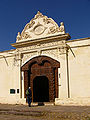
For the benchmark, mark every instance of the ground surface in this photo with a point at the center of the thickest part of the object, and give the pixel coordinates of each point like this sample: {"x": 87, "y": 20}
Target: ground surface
{"x": 23, "y": 112}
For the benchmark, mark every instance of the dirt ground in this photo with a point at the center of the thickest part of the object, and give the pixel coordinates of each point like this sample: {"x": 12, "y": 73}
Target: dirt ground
{"x": 50, "y": 112}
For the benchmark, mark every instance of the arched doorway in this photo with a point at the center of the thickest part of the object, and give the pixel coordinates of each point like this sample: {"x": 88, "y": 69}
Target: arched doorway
{"x": 41, "y": 67}
{"x": 40, "y": 89}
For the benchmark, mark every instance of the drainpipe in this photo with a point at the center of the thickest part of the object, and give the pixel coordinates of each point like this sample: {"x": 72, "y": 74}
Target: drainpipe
{"x": 68, "y": 84}
{"x": 5, "y": 59}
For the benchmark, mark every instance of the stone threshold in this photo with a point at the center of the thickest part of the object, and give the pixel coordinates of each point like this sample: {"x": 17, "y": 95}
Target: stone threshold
{"x": 42, "y": 103}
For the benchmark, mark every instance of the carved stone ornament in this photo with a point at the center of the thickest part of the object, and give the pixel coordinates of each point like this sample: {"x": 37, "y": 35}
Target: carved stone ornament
{"x": 40, "y": 26}
{"x": 18, "y": 36}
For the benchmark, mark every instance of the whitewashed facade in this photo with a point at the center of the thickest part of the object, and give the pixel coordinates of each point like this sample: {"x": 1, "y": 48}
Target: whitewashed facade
{"x": 43, "y": 37}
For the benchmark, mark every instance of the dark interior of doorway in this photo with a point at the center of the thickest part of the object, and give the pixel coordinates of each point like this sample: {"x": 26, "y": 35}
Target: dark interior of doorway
{"x": 41, "y": 89}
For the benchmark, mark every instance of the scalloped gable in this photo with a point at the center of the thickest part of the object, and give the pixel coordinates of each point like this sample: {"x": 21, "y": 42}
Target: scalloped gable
{"x": 40, "y": 26}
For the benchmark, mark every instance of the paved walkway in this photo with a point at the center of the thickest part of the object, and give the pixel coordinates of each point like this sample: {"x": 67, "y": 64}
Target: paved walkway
{"x": 23, "y": 112}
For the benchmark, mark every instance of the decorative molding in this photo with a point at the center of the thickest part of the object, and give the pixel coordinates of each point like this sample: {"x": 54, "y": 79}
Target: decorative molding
{"x": 43, "y": 46}
{"x": 40, "y": 26}
{"x": 28, "y": 56}
{"x": 39, "y": 52}
{"x": 53, "y": 49}
{"x": 16, "y": 58}
{"x": 53, "y": 53}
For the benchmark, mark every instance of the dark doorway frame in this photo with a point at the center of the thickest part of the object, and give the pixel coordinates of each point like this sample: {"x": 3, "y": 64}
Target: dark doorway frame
{"x": 40, "y": 89}
{"x": 42, "y": 66}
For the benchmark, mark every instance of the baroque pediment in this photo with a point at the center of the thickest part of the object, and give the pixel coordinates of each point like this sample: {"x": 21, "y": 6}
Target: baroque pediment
{"x": 40, "y": 26}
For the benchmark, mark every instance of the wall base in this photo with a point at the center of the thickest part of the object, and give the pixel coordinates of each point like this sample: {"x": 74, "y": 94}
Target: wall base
{"x": 58, "y": 101}
{"x": 13, "y": 100}
{"x": 73, "y": 101}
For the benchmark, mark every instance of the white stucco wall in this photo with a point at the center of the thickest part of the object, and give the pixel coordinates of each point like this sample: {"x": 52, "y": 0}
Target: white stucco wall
{"x": 79, "y": 69}
{"x": 79, "y": 73}
{"x": 9, "y": 78}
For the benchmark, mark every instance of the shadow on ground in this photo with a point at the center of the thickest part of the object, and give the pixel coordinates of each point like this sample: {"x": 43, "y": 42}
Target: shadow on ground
{"x": 41, "y": 112}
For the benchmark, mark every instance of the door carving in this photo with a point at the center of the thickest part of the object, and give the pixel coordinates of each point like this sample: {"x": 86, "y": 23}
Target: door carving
{"x": 42, "y": 66}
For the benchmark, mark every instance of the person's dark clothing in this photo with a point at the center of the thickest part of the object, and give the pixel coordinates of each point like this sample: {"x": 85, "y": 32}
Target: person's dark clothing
{"x": 29, "y": 96}
{"x": 29, "y": 100}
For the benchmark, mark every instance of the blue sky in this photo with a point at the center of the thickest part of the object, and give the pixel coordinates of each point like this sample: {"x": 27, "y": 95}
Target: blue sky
{"x": 15, "y": 14}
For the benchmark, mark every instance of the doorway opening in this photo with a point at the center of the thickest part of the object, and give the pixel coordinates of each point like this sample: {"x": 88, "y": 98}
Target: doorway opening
{"x": 40, "y": 89}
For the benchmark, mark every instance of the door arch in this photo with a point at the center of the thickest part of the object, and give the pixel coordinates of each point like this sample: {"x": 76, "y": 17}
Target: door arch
{"x": 42, "y": 66}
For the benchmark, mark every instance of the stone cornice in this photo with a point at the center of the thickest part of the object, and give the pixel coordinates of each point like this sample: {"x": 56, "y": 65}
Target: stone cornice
{"x": 75, "y": 40}
{"x": 41, "y": 40}
{"x": 83, "y": 42}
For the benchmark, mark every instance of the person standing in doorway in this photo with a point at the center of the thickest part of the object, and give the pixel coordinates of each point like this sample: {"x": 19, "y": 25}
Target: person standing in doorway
{"x": 29, "y": 96}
